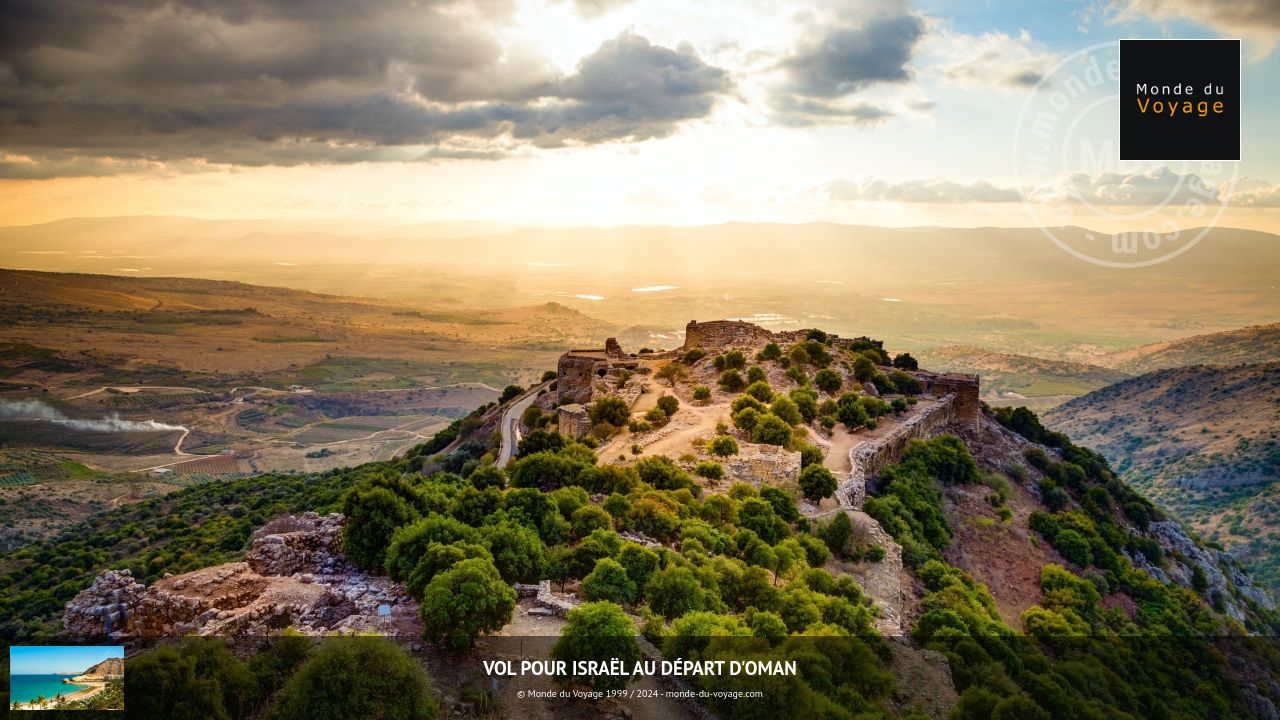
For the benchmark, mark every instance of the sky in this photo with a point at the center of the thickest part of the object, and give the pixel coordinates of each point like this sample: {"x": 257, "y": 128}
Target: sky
{"x": 58, "y": 659}
{"x": 602, "y": 112}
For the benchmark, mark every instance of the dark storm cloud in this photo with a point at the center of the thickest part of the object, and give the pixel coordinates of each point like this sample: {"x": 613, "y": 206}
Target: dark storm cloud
{"x": 844, "y": 61}
{"x": 849, "y": 59}
{"x": 86, "y": 84}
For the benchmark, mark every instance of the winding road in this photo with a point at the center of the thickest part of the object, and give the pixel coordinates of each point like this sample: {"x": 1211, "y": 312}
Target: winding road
{"x": 511, "y": 421}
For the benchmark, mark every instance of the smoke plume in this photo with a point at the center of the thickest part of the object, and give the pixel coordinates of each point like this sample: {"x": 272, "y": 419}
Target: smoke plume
{"x": 36, "y": 410}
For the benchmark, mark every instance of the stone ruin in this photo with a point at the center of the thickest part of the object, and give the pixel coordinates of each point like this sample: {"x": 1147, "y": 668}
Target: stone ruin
{"x": 294, "y": 575}
{"x": 573, "y": 421}
{"x": 578, "y": 371}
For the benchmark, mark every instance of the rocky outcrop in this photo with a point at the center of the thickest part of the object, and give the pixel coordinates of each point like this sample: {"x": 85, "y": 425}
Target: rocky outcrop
{"x": 294, "y": 576}
{"x": 1186, "y": 556}
{"x": 291, "y": 545}
{"x": 109, "y": 669}
{"x": 760, "y": 465}
{"x": 103, "y": 609}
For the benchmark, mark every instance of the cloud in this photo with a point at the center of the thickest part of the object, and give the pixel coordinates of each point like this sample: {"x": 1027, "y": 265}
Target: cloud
{"x": 1254, "y": 20}
{"x": 285, "y": 83}
{"x": 849, "y": 59}
{"x": 1252, "y": 193}
{"x": 992, "y": 59}
{"x": 934, "y": 190}
{"x": 820, "y": 77}
{"x": 1160, "y": 186}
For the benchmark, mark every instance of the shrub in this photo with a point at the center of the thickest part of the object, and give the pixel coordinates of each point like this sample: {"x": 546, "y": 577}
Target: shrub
{"x": 373, "y": 515}
{"x": 655, "y": 416}
{"x": 724, "y": 446}
{"x": 863, "y": 368}
{"x": 326, "y": 688}
{"x": 609, "y": 581}
{"x": 731, "y": 381}
{"x": 905, "y": 362}
{"x": 675, "y": 591}
{"x": 518, "y": 553}
{"x": 510, "y": 392}
{"x": 760, "y": 391}
{"x": 409, "y": 542}
{"x": 710, "y": 470}
{"x": 771, "y": 430}
{"x": 597, "y": 631}
{"x": 770, "y": 351}
{"x": 702, "y": 393}
{"x": 828, "y": 381}
{"x": 817, "y": 482}
{"x": 1074, "y": 547}
{"x": 669, "y": 404}
{"x": 589, "y": 518}
{"x": 755, "y": 374}
{"x": 437, "y": 558}
{"x": 611, "y": 410}
{"x": 461, "y": 603}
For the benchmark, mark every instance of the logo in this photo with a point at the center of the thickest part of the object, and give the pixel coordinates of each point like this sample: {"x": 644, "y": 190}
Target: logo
{"x": 1093, "y": 195}
{"x": 1179, "y": 99}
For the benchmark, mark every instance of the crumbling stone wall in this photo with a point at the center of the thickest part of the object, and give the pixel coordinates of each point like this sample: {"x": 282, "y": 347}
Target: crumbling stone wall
{"x": 869, "y": 458}
{"x": 294, "y": 576}
{"x": 716, "y": 334}
{"x": 963, "y": 386}
{"x": 572, "y": 421}
{"x": 760, "y": 465}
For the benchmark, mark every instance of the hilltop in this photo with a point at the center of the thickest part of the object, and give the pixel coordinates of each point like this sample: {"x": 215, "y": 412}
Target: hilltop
{"x": 1200, "y": 440}
{"x": 837, "y": 491}
{"x": 1250, "y": 345}
{"x": 1035, "y": 382}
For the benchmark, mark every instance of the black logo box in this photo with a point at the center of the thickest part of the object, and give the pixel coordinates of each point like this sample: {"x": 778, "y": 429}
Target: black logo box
{"x": 1185, "y": 64}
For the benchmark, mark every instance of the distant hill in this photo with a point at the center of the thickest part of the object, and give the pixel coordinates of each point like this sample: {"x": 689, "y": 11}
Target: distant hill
{"x": 221, "y": 327}
{"x": 109, "y": 668}
{"x": 1255, "y": 344}
{"x": 1019, "y": 379}
{"x": 1202, "y": 440}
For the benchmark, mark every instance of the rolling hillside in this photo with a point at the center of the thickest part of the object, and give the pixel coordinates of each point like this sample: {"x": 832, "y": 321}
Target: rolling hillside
{"x": 1022, "y": 380}
{"x": 1255, "y": 344}
{"x": 1202, "y": 441}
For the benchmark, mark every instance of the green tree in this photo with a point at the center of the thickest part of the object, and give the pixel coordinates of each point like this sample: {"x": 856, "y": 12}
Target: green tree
{"x": 197, "y": 680}
{"x": 837, "y": 532}
{"x": 828, "y": 381}
{"x": 770, "y": 351}
{"x": 756, "y": 374}
{"x": 518, "y": 553}
{"x": 408, "y": 543}
{"x": 459, "y": 604}
{"x": 904, "y": 361}
{"x": 356, "y": 677}
{"x": 669, "y": 404}
{"x": 610, "y": 409}
{"x": 675, "y": 591}
{"x": 702, "y": 393}
{"x": 439, "y": 557}
{"x": 786, "y": 409}
{"x": 771, "y": 430}
{"x": 817, "y": 482}
{"x": 510, "y": 392}
{"x": 373, "y": 515}
{"x": 589, "y": 518}
{"x": 609, "y": 581}
{"x": 724, "y": 446}
{"x": 597, "y": 631}
{"x": 863, "y": 368}
{"x": 487, "y": 476}
{"x": 731, "y": 381}
{"x": 760, "y": 390}
{"x": 662, "y": 473}
{"x": 709, "y": 470}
